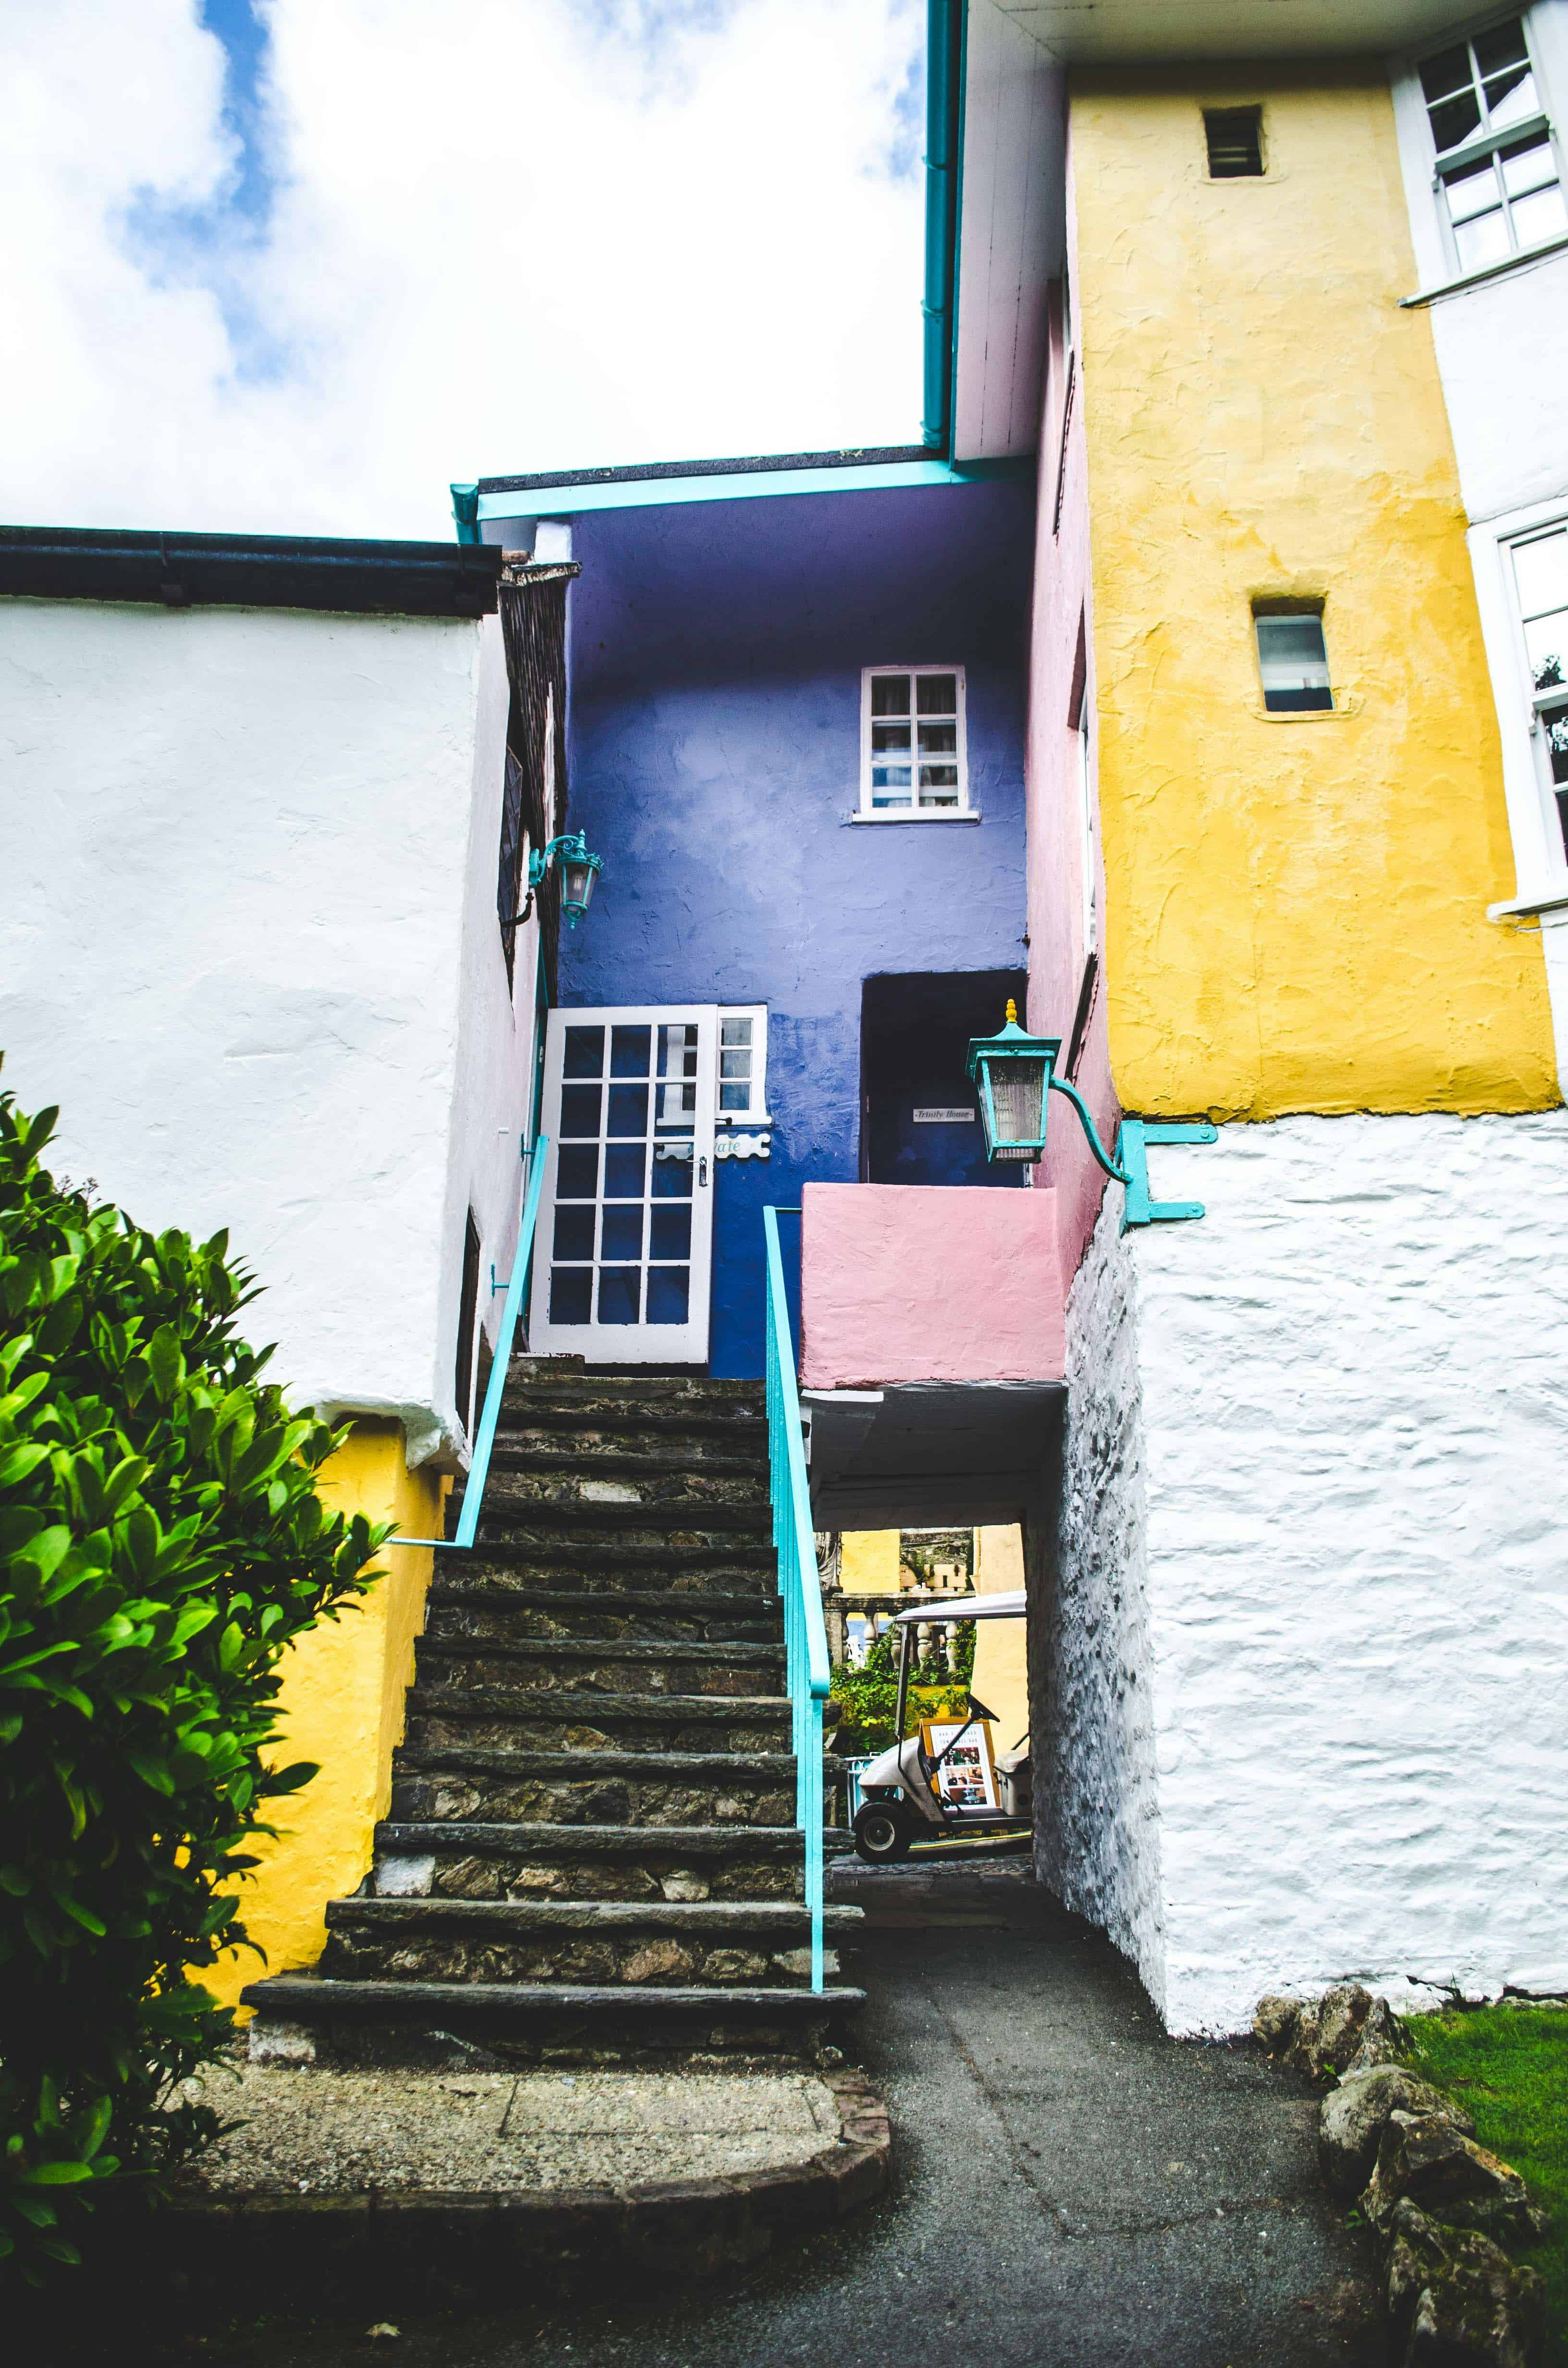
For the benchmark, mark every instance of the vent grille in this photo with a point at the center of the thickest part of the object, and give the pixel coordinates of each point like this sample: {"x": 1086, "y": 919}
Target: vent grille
{"x": 1236, "y": 142}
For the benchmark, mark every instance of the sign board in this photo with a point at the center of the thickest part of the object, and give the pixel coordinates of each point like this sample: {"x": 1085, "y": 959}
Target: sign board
{"x": 967, "y": 1777}
{"x": 944, "y": 1117}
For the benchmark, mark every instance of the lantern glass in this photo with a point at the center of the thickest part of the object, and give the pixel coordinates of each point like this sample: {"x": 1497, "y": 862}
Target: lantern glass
{"x": 576, "y": 886}
{"x": 1017, "y": 1101}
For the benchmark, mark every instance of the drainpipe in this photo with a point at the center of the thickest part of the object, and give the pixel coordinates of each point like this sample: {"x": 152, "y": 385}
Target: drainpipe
{"x": 944, "y": 86}
{"x": 465, "y": 509}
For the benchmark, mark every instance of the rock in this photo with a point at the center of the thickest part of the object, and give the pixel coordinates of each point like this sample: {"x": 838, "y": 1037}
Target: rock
{"x": 1275, "y": 2022}
{"x": 1454, "y": 2300}
{"x": 1429, "y": 2158}
{"x": 1382, "y": 2040}
{"x": 1352, "y": 2120}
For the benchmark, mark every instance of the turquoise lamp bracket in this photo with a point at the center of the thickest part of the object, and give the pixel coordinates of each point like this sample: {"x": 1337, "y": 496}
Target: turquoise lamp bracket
{"x": 1135, "y": 1135}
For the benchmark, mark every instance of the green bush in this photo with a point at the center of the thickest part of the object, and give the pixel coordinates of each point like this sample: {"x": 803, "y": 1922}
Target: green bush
{"x": 161, "y": 1543}
{"x": 867, "y": 1697}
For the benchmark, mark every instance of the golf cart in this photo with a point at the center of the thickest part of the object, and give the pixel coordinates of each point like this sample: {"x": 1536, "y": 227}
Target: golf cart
{"x": 946, "y": 1779}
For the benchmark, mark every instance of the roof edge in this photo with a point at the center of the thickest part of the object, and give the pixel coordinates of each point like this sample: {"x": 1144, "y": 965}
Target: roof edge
{"x": 178, "y": 571}
{"x": 753, "y": 464}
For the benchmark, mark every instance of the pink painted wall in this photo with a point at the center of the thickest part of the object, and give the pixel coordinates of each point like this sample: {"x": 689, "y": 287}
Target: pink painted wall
{"x": 1052, "y": 799}
{"x": 928, "y": 1283}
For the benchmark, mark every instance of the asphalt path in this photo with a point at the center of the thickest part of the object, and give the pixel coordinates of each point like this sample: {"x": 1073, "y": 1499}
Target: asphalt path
{"x": 1071, "y": 2189}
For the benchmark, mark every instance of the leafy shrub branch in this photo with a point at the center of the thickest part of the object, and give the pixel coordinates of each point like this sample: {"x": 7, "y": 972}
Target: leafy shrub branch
{"x": 162, "y": 1542}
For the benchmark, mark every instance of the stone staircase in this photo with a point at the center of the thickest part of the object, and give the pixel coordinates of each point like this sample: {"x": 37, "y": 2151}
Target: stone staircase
{"x": 592, "y": 1852}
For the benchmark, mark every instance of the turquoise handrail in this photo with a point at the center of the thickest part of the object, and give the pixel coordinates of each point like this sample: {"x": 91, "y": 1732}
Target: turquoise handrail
{"x": 805, "y": 1633}
{"x": 490, "y": 1416}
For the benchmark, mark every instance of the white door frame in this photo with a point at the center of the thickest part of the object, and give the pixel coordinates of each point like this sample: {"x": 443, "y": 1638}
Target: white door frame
{"x": 604, "y": 1204}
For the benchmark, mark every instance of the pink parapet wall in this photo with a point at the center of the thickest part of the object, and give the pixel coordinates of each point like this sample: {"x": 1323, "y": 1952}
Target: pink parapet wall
{"x": 904, "y": 1282}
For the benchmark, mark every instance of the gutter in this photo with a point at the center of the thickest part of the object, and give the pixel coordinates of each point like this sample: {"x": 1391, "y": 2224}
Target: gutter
{"x": 192, "y": 571}
{"x": 944, "y": 31}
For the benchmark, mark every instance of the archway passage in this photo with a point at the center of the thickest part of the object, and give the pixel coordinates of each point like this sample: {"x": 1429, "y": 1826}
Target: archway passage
{"x": 919, "y": 1123}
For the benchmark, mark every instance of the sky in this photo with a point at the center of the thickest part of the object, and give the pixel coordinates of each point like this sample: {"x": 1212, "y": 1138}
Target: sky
{"x": 294, "y": 265}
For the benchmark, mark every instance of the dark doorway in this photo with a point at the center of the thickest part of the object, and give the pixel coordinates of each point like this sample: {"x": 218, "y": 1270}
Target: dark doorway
{"x": 919, "y": 1123}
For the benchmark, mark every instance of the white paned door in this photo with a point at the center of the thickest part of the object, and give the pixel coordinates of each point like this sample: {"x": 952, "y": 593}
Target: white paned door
{"x": 623, "y": 1258}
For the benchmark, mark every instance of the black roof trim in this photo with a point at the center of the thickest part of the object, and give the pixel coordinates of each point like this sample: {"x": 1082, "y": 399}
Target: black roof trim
{"x": 248, "y": 571}
{"x": 757, "y": 465}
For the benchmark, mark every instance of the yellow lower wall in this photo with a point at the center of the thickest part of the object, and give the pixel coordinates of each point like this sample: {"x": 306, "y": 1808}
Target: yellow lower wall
{"x": 343, "y": 1702}
{"x": 868, "y": 1562}
{"x": 1001, "y": 1672}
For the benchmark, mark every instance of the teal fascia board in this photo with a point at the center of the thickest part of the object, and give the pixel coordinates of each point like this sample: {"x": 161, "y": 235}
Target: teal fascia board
{"x": 567, "y": 500}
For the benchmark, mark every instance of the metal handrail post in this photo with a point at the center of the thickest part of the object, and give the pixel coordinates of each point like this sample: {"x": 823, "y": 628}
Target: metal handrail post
{"x": 807, "y": 1669}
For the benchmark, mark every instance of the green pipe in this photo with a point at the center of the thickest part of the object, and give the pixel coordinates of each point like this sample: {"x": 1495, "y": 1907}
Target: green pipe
{"x": 944, "y": 84}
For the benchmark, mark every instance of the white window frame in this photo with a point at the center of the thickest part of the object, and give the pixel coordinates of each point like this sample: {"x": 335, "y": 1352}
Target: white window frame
{"x": 1540, "y": 861}
{"x": 1437, "y": 253}
{"x": 865, "y": 811}
{"x": 756, "y": 1114}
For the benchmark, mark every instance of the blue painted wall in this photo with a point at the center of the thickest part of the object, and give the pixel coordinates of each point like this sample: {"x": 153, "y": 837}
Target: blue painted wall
{"x": 715, "y": 659}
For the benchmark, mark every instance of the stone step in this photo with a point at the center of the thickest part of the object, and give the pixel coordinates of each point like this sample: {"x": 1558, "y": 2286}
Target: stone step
{"x": 634, "y": 1446}
{"x": 547, "y": 1721}
{"x": 621, "y": 1666}
{"x": 586, "y": 1565}
{"x": 300, "y": 2016}
{"x": 623, "y": 1527}
{"x": 652, "y": 1788}
{"x": 453, "y": 1860}
{"x": 707, "y": 1942}
{"x": 559, "y": 1382}
{"x": 647, "y": 1490}
{"x": 542, "y": 1615}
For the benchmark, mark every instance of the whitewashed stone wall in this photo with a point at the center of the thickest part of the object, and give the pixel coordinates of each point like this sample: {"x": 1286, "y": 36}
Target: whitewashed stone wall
{"x": 1312, "y": 1549}
{"x": 1098, "y": 1841}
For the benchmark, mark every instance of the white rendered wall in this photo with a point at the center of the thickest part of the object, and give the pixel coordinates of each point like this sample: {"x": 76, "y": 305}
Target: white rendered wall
{"x": 1351, "y": 1396}
{"x": 1097, "y": 1801}
{"x": 242, "y": 946}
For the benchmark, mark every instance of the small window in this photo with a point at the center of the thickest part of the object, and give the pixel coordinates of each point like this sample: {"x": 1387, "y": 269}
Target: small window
{"x": 913, "y": 754}
{"x": 743, "y": 1066}
{"x": 1540, "y": 580}
{"x": 1497, "y": 167}
{"x": 468, "y": 1319}
{"x": 1293, "y": 661}
{"x": 1234, "y": 135}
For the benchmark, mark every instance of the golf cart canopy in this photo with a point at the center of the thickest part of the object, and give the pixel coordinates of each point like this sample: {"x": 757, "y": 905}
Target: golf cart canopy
{"x": 974, "y": 1607}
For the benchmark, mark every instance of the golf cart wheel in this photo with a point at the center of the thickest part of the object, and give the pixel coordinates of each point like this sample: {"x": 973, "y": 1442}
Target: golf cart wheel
{"x": 884, "y": 1833}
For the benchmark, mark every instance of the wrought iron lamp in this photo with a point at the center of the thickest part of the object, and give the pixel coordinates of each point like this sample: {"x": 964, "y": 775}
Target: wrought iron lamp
{"x": 579, "y": 869}
{"x": 1017, "y": 1075}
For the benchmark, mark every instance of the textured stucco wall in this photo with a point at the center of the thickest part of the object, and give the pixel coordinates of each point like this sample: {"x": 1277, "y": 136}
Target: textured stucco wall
{"x": 1096, "y": 1791}
{"x": 927, "y": 1283}
{"x": 248, "y": 945}
{"x": 716, "y": 658}
{"x": 344, "y": 1689}
{"x": 1350, "y": 1399}
{"x": 1295, "y": 908}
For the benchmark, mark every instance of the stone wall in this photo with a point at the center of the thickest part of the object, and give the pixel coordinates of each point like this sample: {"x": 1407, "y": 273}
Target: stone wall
{"x": 1312, "y": 1529}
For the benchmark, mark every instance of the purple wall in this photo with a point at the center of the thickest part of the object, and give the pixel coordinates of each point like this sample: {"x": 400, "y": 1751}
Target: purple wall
{"x": 716, "y": 650}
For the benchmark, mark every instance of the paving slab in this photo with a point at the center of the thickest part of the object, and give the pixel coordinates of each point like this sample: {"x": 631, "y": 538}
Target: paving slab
{"x": 326, "y": 2133}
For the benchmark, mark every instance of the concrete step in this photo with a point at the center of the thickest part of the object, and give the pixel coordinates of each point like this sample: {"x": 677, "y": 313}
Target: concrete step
{"x": 605, "y": 1786}
{"x": 579, "y": 1614}
{"x": 541, "y": 1720}
{"x": 453, "y": 1860}
{"x": 300, "y": 2016}
{"x": 710, "y": 1944}
{"x": 623, "y": 1666}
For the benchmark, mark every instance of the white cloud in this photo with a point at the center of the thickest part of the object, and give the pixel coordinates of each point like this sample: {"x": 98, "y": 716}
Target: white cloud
{"x": 513, "y": 234}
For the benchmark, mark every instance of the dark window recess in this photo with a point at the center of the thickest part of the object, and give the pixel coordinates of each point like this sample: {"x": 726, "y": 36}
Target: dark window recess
{"x": 1293, "y": 661}
{"x": 920, "y": 1121}
{"x": 468, "y": 1310}
{"x": 533, "y": 805}
{"x": 1236, "y": 142}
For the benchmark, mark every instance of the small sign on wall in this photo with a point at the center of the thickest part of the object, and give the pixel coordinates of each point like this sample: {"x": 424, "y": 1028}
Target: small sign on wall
{"x": 944, "y": 1117}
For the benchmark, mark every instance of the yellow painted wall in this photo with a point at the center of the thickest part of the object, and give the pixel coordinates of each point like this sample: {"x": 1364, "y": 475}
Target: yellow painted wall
{"x": 343, "y": 1702}
{"x": 1001, "y": 1675}
{"x": 868, "y": 1562}
{"x": 1295, "y": 909}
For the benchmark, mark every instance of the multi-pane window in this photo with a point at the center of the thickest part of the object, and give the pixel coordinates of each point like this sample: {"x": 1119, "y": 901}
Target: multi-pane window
{"x": 1293, "y": 661}
{"x": 1496, "y": 164}
{"x": 743, "y": 1066}
{"x": 621, "y": 1251}
{"x": 1540, "y": 577}
{"x": 913, "y": 756}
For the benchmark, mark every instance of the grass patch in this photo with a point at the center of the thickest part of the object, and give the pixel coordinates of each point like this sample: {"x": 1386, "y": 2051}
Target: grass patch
{"x": 1508, "y": 2065}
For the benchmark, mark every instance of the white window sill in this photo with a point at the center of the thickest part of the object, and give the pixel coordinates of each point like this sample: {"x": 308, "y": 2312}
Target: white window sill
{"x": 1488, "y": 271}
{"x": 1549, "y": 900}
{"x": 937, "y": 813}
